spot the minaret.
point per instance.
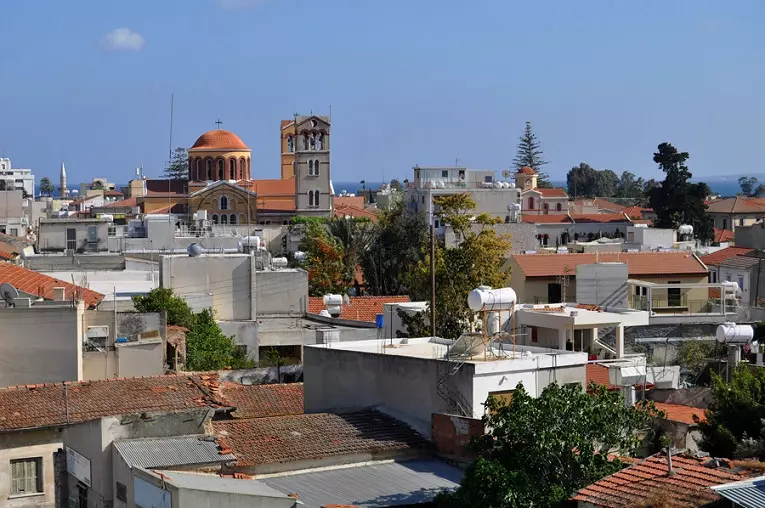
(64, 192)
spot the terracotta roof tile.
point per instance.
(738, 204)
(679, 413)
(276, 205)
(354, 201)
(648, 481)
(7, 255)
(343, 211)
(35, 283)
(556, 192)
(721, 255)
(723, 235)
(260, 401)
(561, 218)
(273, 187)
(219, 140)
(598, 374)
(129, 202)
(636, 212)
(638, 263)
(113, 193)
(316, 436)
(526, 171)
(361, 308)
(602, 218)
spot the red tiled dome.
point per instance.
(219, 140)
(526, 171)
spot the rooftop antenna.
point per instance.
(170, 150)
(563, 280)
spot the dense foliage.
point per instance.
(46, 187)
(539, 451)
(325, 261)
(529, 154)
(677, 201)
(751, 187)
(163, 299)
(178, 166)
(586, 181)
(208, 348)
(734, 422)
(476, 260)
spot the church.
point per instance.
(220, 185)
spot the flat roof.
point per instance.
(578, 315)
(503, 356)
(214, 483)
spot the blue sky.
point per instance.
(409, 81)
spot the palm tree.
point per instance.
(363, 184)
(355, 237)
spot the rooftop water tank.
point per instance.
(491, 299)
(300, 256)
(279, 262)
(731, 333)
(685, 229)
(195, 250)
(253, 242)
(512, 185)
(331, 300)
(497, 185)
(107, 217)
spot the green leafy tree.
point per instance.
(582, 181)
(97, 185)
(677, 201)
(629, 186)
(324, 261)
(208, 348)
(178, 167)
(529, 154)
(398, 240)
(46, 187)
(751, 187)
(395, 185)
(693, 356)
(354, 237)
(163, 299)
(476, 260)
(539, 451)
(735, 418)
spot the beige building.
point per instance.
(551, 278)
(538, 201)
(730, 213)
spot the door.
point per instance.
(554, 293)
(71, 238)
(674, 296)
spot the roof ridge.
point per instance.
(109, 380)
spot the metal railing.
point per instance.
(682, 305)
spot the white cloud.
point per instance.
(123, 39)
(232, 5)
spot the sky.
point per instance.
(428, 82)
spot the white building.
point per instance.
(22, 179)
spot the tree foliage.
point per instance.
(585, 181)
(398, 241)
(46, 187)
(325, 261)
(163, 299)
(529, 154)
(97, 185)
(539, 451)
(208, 348)
(751, 187)
(677, 201)
(630, 186)
(734, 422)
(178, 166)
(476, 260)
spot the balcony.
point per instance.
(684, 302)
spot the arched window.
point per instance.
(223, 205)
(559, 207)
(290, 144)
(221, 170)
(224, 219)
(248, 170)
(232, 219)
(215, 218)
(310, 198)
(241, 168)
(546, 207)
(200, 174)
(310, 168)
(313, 198)
(208, 164)
(531, 203)
(232, 169)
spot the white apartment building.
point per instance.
(22, 179)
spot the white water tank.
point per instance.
(685, 229)
(279, 262)
(107, 217)
(512, 185)
(253, 242)
(300, 256)
(333, 300)
(491, 299)
(731, 333)
(497, 185)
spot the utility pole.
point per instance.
(432, 279)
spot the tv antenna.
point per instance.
(563, 280)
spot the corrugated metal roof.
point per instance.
(747, 493)
(171, 451)
(385, 484)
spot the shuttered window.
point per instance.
(26, 476)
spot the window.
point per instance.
(416, 173)
(14, 231)
(559, 207)
(445, 173)
(423, 200)
(221, 175)
(232, 169)
(727, 277)
(310, 168)
(241, 169)
(531, 203)
(215, 218)
(199, 169)
(315, 168)
(725, 224)
(26, 476)
(741, 282)
(741, 221)
(546, 207)
(534, 334)
(208, 163)
(223, 203)
(232, 219)
(121, 492)
(313, 198)
(674, 296)
(713, 277)
(224, 219)
(488, 179)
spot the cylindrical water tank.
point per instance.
(279, 262)
(497, 185)
(685, 229)
(107, 217)
(252, 241)
(731, 333)
(512, 185)
(300, 256)
(332, 300)
(492, 299)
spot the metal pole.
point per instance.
(432, 280)
(759, 271)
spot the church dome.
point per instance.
(524, 171)
(219, 140)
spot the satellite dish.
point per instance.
(346, 299)
(506, 173)
(9, 294)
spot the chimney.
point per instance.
(59, 294)
(670, 471)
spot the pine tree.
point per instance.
(179, 165)
(46, 187)
(530, 155)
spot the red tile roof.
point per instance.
(7, 255)
(260, 401)
(343, 211)
(129, 202)
(35, 283)
(166, 187)
(295, 438)
(273, 187)
(725, 254)
(679, 413)
(723, 235)
(556, 192)
(113, 193)
(600, 203)
(598, 374)
(525, 170)
(219, 140)
(361, 308)
(354, 201)
(561, 218)
(45, 405)
(738, 204)
(647, 483)
(638, 263)
(602, 218)
(636, 212)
